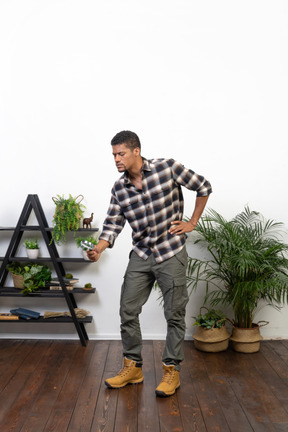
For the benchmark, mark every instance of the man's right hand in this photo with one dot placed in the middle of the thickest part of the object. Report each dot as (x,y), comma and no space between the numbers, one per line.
(95,254)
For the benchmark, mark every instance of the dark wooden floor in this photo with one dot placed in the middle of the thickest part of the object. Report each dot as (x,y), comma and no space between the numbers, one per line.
(59,386)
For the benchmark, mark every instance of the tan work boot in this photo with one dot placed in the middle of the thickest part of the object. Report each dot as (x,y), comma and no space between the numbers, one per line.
(130,374)
(170,381)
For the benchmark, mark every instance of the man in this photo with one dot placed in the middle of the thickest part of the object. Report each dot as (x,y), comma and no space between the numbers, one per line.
(148,195)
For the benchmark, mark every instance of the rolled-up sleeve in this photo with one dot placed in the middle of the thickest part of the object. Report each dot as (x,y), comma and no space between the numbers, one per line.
(189,179)
(114,222)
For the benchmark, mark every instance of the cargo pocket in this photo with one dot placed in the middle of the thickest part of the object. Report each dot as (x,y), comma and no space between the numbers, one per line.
(180,294)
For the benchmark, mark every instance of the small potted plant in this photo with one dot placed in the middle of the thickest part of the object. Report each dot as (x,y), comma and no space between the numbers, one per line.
(29,277)
(211,334)
(17,272)
(90,239)
(88,287)
(32,248)
(67,216)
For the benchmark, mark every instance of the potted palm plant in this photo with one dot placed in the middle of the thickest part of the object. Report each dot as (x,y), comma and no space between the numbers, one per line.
(247,265)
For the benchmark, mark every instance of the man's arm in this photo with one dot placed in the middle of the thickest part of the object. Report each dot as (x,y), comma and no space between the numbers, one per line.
(181,227)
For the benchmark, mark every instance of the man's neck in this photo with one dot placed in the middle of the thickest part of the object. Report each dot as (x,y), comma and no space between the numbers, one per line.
(135,174)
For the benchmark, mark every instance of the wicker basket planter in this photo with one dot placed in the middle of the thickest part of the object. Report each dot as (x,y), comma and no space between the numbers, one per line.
(247,340)
(18,281)
(211,340)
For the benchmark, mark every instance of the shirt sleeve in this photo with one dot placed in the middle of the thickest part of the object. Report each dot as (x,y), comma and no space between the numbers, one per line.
(189,179)
(114,222)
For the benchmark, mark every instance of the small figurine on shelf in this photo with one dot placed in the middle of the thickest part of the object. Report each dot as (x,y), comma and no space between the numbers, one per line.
(87,221)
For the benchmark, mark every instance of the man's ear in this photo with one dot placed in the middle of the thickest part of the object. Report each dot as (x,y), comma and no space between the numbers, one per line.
(136,151)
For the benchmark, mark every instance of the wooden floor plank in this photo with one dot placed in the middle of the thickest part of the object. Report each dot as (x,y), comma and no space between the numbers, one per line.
(68,395)
(211,409)
(276,384)
(85,406)
(11,359)
(17,397)
(126,417)
(277,358)
(248,387)
(59,359)
(105,410)
(191,415)
(232,410)
(147,412)
(58,386)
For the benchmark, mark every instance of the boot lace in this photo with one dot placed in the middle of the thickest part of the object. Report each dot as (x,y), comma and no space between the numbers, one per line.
(124,371)
(168,376)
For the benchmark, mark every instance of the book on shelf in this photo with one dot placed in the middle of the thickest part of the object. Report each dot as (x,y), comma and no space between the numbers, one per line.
(25,313)
(8,316)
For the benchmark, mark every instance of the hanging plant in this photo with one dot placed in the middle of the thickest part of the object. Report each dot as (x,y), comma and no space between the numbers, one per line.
(68,214)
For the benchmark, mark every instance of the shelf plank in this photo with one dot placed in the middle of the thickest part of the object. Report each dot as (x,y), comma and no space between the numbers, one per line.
(37,228)
(41,319)
(15,292)
(47,259)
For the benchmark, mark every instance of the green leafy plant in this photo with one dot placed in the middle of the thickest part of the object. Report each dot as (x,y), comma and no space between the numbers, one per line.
(91,239)
(16,268)
(68,214)
(31,244)
(35,276)
(211,319)
(247,263)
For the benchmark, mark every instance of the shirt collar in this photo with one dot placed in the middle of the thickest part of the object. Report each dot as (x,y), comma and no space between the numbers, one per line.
(145,167)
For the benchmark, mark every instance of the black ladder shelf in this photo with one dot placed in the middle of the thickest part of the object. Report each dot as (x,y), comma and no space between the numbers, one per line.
(33,203)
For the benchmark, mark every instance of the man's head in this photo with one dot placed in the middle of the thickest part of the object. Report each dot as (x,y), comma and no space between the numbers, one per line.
(130,139)
(126,151)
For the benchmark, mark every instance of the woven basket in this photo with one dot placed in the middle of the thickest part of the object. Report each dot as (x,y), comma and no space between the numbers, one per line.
(18,281)
(211,340)
(247,340)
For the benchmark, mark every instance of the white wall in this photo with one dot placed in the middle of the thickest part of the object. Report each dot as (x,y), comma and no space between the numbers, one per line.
(203,82)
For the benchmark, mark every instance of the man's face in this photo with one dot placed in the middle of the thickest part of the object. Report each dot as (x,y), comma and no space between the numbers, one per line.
(124,157)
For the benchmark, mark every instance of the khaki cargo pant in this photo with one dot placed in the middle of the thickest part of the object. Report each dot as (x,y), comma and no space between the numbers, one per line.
(138,282)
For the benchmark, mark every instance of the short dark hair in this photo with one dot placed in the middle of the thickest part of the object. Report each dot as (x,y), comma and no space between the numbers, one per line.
(130,139)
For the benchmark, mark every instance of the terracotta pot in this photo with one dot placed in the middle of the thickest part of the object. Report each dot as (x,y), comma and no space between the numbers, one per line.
(211,340)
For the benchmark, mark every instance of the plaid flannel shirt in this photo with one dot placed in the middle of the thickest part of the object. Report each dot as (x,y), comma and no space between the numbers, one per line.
(151,210)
